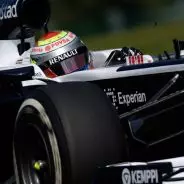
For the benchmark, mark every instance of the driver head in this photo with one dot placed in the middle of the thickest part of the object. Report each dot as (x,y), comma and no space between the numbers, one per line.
(60,52)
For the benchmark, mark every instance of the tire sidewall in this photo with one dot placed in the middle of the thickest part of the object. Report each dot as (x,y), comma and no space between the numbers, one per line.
(85,102)
(43,124)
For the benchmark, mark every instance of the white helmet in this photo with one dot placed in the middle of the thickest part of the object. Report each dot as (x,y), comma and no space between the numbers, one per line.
(59,53)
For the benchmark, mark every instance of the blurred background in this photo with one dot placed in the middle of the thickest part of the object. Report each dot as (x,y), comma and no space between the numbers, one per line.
(149,25)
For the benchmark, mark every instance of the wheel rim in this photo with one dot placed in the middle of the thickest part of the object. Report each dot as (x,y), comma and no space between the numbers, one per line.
(34,158)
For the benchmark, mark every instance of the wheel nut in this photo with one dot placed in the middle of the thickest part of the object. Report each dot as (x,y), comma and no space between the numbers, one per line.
(39,165)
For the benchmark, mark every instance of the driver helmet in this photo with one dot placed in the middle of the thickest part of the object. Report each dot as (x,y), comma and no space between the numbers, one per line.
(59,53)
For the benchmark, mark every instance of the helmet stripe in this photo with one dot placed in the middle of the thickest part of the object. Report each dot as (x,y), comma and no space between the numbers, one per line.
(43,42)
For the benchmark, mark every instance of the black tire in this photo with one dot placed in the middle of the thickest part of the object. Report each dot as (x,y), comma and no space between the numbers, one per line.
(77,129)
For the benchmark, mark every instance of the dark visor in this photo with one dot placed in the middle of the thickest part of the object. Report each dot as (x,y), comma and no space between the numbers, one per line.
(76,62)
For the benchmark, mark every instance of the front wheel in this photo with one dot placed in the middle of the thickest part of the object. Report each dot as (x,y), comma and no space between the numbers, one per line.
(64,132)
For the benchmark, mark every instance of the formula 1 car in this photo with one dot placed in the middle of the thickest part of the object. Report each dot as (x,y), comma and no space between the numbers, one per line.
(113,124)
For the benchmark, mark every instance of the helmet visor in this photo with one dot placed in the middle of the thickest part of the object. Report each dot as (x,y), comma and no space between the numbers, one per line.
(66,63)
(74,64)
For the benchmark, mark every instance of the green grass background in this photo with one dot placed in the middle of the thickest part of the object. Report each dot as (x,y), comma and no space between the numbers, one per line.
(152,39)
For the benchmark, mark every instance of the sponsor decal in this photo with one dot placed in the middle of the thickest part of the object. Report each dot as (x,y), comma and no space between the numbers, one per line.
(48,48)
(62,41)
(131,98)
(126,176)
(8,11)
(37,49)
(38,74)
(120,98)
(71,35)
(146,176)
(55,45)
(63,56)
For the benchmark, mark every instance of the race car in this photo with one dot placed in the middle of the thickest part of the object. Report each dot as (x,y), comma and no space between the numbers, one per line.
(114,124)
